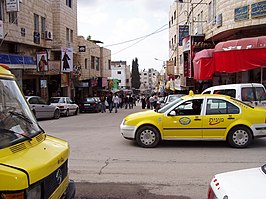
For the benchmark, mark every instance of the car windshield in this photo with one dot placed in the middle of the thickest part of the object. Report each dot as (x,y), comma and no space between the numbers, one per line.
(166,107)
(17,123)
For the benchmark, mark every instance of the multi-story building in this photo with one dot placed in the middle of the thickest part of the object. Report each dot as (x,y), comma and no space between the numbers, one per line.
(92,69)
(121,72)
(39,42)
(149,81)
(199,25)
(33,34)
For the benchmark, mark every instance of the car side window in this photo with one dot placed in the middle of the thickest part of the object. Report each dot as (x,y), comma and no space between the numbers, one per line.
(228,92)
(260,93)
(33,100)
(247,94)
(191,107)
(219,106)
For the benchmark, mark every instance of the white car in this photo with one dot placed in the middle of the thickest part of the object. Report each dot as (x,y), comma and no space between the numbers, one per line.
(66,105)
(41,109)
(240,184)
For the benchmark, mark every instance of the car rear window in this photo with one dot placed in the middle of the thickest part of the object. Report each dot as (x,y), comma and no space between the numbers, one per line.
(253,94)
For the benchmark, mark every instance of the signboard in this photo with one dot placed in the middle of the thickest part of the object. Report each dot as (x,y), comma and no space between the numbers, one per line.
(42,61)
(82,48)
(258,9)
(170,65)
(242,13)
(183,31)
(12,5)
(186,44)
(66,60)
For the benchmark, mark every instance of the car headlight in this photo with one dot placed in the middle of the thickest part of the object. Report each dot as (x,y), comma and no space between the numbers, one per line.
(35,192)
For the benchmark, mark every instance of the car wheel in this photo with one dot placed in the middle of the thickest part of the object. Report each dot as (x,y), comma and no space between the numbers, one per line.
(67,113)
(239,137)
(147,137)
(56,114)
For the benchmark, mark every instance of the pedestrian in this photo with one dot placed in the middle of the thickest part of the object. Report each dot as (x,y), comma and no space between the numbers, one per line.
(126,101)
(109,100)
(148,102)
(130,102)
(143,102)
(151,99)
(115,102)
(103,107)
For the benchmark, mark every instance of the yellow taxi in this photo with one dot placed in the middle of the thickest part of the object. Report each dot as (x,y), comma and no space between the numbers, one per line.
(197,117)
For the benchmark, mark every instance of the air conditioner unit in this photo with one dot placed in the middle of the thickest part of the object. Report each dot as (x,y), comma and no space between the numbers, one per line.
(48,35)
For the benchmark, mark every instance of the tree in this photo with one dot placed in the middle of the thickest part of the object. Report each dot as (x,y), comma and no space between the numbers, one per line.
(135,77)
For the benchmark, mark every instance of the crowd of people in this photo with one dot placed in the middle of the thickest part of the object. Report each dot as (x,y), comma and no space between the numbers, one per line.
(116,101)
(150,102)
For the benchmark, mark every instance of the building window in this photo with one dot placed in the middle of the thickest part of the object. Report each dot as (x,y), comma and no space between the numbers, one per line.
(36,23)
(67,34)
(119,72)
(43,26)
(13,17)
(69,3)
(1,11)
(97,63)
(92,62)
(86,63)
(71,36)
(109,64)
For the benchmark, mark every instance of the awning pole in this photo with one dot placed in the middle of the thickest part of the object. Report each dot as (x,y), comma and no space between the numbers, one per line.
(261,74)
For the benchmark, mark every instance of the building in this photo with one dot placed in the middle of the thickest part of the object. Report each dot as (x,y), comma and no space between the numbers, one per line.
(149,81)
(93,68)
(121,72)
(222,34)
(34,34)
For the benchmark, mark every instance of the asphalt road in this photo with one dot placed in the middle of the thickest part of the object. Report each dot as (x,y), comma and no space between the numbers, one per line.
(105,165)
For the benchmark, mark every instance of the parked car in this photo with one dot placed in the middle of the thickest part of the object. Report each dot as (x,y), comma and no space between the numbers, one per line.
(66,105)
(244,184)
(41,109)
(169,98)
(252,93)
(197,117)
(89,104)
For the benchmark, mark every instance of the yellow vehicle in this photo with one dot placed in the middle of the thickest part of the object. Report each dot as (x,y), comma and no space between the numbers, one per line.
(197,117)
(33,165)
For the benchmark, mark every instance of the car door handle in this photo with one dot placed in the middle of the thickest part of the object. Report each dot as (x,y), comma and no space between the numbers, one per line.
(197,119)
(231,118)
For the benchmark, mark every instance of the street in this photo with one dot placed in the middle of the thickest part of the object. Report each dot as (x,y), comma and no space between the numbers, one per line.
(105,165)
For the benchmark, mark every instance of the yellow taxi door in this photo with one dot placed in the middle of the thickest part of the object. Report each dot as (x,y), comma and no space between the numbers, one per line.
(183,123)
(219,115)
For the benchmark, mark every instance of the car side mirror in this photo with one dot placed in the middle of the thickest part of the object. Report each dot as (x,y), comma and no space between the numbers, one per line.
(172,113)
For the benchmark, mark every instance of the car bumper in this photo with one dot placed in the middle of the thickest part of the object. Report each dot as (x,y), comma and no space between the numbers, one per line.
(71,191)
(259,130)
(128,132)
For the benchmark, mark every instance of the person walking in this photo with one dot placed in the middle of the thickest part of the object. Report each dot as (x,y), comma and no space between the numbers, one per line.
(109,100)
(143,102)
(115,102)
(130,102)
(103,107)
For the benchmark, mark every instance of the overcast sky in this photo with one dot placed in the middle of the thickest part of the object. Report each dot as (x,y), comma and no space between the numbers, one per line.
(116,21)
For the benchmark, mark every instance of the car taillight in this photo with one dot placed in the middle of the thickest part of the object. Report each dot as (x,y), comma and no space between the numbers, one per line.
(210,193)
(94,105)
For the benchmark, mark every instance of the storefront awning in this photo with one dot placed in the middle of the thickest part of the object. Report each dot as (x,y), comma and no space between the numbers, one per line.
(203,65)
(240,55)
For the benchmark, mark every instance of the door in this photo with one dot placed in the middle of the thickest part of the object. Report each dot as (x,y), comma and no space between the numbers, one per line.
(220,114)
(185,121)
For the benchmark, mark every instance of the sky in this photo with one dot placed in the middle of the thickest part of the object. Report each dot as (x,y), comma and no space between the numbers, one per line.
(140,27)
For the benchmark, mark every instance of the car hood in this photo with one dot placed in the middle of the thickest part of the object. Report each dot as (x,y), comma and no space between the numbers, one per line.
(36,158)
(244,184)
(141,114)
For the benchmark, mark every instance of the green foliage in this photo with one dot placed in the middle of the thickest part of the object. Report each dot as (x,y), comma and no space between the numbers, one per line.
(135,77)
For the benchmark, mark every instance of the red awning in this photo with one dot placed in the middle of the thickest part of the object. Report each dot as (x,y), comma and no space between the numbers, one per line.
(203,64)
(240,55)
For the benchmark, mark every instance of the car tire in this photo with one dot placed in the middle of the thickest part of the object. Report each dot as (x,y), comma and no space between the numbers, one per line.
(67,113)
(239,137)
(57,114)
(147,137)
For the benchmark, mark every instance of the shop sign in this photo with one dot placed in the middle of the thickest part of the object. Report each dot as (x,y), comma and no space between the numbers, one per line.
(183,31)
(241,13)
(12,5)
(258,9)
(64,80)
(186,44)
(66,60)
